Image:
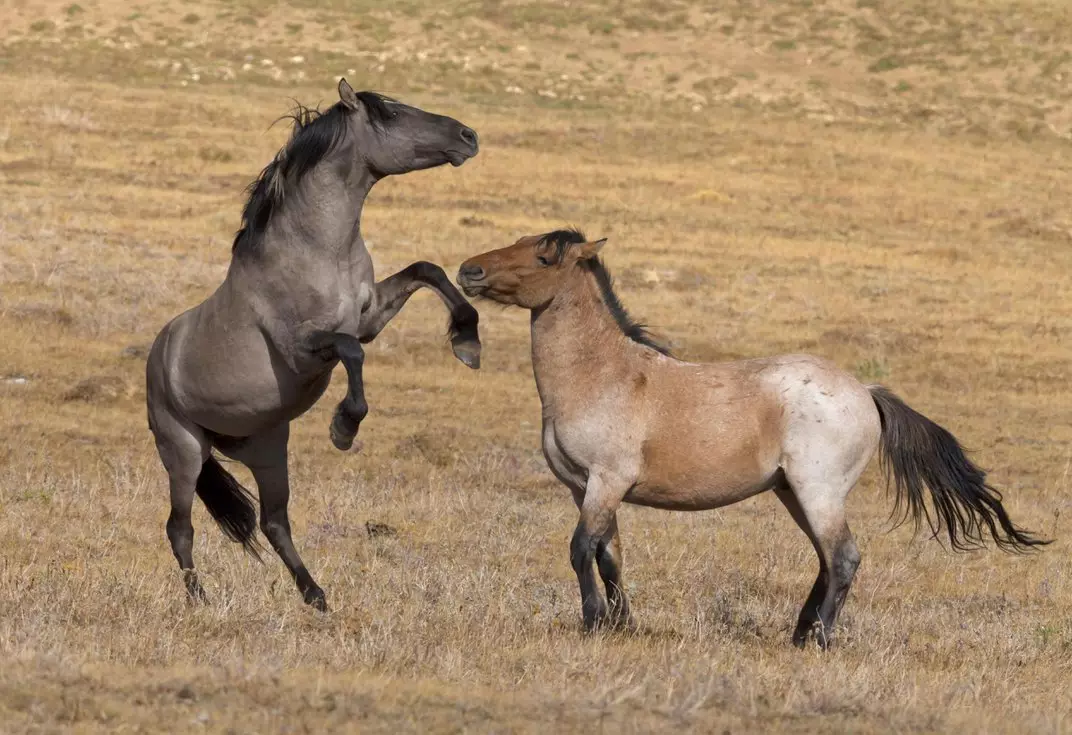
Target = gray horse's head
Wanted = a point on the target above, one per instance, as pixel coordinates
(395, 138)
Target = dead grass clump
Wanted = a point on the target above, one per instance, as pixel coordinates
(96, 389)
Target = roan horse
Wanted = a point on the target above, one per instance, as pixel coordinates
(625, 421)
(298, 299)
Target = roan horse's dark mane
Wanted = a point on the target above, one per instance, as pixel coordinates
(562, 241)
(314, 136)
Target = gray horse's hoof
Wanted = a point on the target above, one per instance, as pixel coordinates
(315, 599)
(468, 352)
(343, 431)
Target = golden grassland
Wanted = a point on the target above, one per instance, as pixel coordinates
(885, 184)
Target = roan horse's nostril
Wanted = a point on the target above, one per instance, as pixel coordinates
(472, 272)
(469, 136)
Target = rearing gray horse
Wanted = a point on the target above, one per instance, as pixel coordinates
(298, 299)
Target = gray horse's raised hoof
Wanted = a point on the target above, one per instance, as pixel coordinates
(343, 430)
(468, 351)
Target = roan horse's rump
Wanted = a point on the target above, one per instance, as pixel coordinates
(299, 298)
(626, 422)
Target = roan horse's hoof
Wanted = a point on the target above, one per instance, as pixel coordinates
(468, 352)
(195, 593)
(815, 634)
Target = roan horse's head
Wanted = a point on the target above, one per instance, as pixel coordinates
(531, 271)
(395, 138)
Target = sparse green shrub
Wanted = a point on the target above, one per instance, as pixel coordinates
(873, 368)
(886, 63)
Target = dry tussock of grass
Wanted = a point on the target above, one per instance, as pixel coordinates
(933, 260)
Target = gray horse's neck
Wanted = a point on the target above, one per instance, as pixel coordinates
(321, 219)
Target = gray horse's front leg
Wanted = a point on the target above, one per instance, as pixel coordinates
(393, 292)
(352, 409)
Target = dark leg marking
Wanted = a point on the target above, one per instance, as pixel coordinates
(353, 408)
(609, 563)
(582, 558)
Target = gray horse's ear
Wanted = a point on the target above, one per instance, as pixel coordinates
(347, 95)
(588, 250)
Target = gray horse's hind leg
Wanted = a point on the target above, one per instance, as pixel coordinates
(838, 561)
(183, 450)
(266, 457)
(393, 292)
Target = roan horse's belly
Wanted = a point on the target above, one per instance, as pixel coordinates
(715, 493)
(697, 468)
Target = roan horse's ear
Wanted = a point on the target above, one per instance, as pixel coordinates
(587, 250)
(347, 95)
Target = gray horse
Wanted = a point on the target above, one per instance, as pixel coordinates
(299, 298)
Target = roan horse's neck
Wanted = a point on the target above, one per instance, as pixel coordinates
(576, 346)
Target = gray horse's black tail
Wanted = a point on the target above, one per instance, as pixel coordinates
(916, 452)
(229, 504)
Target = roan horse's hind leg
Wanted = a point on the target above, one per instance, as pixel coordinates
(838, 560)
(598, 527)
(266, 457)
(609, 563)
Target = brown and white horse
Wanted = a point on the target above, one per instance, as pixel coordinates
(625, 421)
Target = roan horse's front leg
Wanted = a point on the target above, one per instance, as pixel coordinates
(393, 292)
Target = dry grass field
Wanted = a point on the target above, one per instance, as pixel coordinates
(885, 184)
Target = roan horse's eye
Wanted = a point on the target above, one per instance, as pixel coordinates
(543, 261)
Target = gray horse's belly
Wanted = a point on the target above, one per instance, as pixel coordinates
(256, 411)
(246, 388)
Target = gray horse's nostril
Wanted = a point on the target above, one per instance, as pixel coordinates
(472, 272)
(469, 136)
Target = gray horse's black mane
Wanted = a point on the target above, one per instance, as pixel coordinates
(314, 136)
(562, 241)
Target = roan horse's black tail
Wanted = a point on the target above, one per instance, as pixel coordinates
(230, 505)
(916, 452)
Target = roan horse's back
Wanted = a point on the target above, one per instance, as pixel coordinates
(721, 432)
